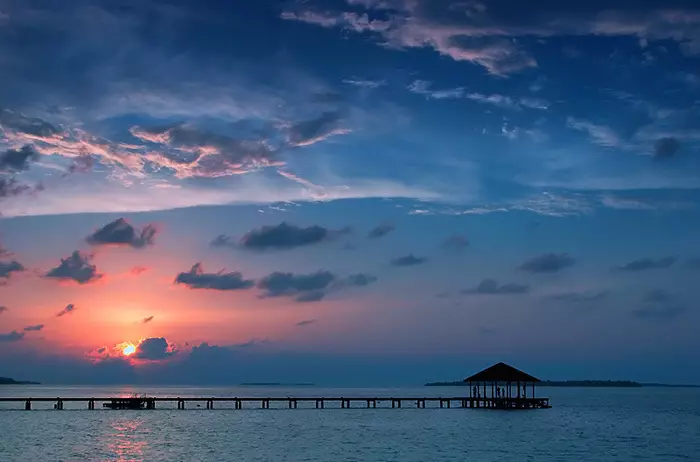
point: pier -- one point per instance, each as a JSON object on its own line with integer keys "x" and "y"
{"x": 499, "y": 387}
{"x": 237, "y": 403}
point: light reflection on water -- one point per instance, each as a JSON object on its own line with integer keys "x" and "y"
{"x": 584, "y": 425}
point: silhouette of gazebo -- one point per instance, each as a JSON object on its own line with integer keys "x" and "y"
{"x": 493, "y": 378}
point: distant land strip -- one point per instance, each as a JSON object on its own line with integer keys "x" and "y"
{"x": 275, "y": 384}
{"x": 578, "y": 383}
{"x": 9, "y": 381}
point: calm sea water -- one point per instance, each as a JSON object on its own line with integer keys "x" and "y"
{"x": 651, "y": 424}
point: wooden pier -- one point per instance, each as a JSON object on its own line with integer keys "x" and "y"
{"x": 497, "y": 387}
{"x": 237, "y": 403}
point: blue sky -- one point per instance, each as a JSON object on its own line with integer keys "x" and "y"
{"x": 283, "y": 184}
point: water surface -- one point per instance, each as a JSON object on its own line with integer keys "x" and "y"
{"x": 617, "y": 424}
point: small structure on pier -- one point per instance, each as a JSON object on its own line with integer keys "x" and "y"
{"x": 504, "y": 387}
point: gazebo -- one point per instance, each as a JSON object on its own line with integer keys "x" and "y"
{"x": 504, "y": 387}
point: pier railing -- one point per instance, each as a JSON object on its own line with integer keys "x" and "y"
{"x": 342, "y": 402}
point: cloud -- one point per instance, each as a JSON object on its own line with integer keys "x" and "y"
{"x": 501, "y": 101}
{"x": 17, "y": 160}
{"x": 17, "y": 122}
{"x": 36, "y": 328}
{"x": 154, "y": 349}
{"x": 580, "y": 297}
{"x": 13, "y": 336}
{"x": 196, "y": 278}
{"x": 408, "y": 260}
{"x": 120, "y": 232}
{"x": 666, "y": 147}
{"x": 147, "y": 320}
{"x": 422, "y": 87}
{"x": 548, "y": 263}
{"x": 600, "y": 134}
{"x": 195, "y": 152}
{"x": 363, "y": 83}
{"x": 380, "y": 231}
{"x": 310, "y": 297}
{"x": 9, "y": 267}
{"x": 282, "y": 236}
{"x": 3, "y": 309}
{"x": 304, "y": 287}
{"x": 313, "y": 131}
{"x": 67, "y": 310}
{"x": 357, "y": 280}
{"x": 10, "y": 187}
{"x": 75, "y": 268}
{"x": 455, "y": 242}
{"x": 306, "y": 322}
{"x": 648, "y": 264}
{"x": 492, "y": 287}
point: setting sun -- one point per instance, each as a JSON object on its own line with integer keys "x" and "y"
{"x": 129, "y": 350}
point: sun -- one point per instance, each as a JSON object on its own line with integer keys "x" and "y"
{"x": 129, "y": 350}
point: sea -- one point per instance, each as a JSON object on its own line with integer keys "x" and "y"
{"x": 584, "y": 424}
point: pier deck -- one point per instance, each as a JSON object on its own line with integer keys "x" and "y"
{"x": 294, "y": 402}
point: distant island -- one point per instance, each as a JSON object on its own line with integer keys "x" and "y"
{"x": 275, "y": 384}
{"x": 9, "y": 381}
{"x": 576, "y": 383}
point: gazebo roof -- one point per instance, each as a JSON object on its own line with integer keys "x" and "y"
{"x": 501, "y": 372}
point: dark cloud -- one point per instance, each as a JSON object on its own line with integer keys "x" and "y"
{"x": 196, "y": 278}
{"x": 455, "y": 242}
{"x": 306, "y": 322}
{"x": 75, "y": 268}
{"x": 492, "y": 287}
{"x": 3, "y": 309}
{"x": 154, "y": 349}
{"x": 657, "y": 296}
{"x": 36, "y": 328}
{"x": 666, "y": 147}
{"x": 9, "y": 267}
{"x": 548, "y": 263}
{"x": 10, "y": 187}
{"x": 380, "y": 231}
{"x": 358, "y": 280}
{"x": 18, "y": 160}
{"x": 408, "y": 260}
{"x": 120, "y": 232}
{"x": 312, "y": 131}
{"x": 13, "y": 336}
{"x": 580, "y": 297}
{"x": 67, "y": 310}
{"x": 284, "y": 236}
{"x": 310, "y": 297}
{"x": 304, "y": 287}
{"x": 16, "y": 122}
{"x": 147, "y": 320}
{"x": 223, "y": 241}
{"x": 197, "y": 152}
{"x": 660, "y": 313}
{"x": 648, "y": 264}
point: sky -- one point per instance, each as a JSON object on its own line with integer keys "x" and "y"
{"x": 348, "y": 192}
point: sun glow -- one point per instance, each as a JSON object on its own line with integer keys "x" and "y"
{"x": 129, "y": 350}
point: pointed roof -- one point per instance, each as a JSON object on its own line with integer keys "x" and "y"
{"x": 501, "y": 372}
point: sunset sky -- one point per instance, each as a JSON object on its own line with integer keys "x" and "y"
{"x": 348, "y": 191}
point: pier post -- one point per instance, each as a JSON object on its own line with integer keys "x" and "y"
{"x": 368, "y": 404}
{"x": 59, "y": 404}
{"x": 374, "y": 403}
{"x": 322, "y": 403}
{"x": 393, "y": 403}
{"x": 441, "y": 403}
{"x": 28, "y": 405}
{"x": 449, "y": 403}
